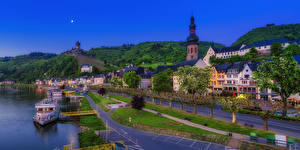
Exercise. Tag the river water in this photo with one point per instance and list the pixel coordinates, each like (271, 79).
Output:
(17, 130)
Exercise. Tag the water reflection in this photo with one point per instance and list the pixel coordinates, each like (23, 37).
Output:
(17, 130)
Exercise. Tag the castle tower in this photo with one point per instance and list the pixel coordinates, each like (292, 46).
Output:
(77, 45)
(192, 42)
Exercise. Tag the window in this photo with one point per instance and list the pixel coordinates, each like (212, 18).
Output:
(247, 70)
(228, 76)
(235, 76)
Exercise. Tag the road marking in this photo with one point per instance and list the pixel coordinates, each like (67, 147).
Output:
(208, 146)
(123, 131)
(134, 147)
(192, 144)
(179, 140)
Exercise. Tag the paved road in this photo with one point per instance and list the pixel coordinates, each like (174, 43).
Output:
(139, 140)
(278, 126)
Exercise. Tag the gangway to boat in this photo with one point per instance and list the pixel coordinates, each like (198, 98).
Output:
(78, 113)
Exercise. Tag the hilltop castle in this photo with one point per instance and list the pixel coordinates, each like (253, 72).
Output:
(75, 51)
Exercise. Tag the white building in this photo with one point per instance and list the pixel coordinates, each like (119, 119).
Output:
(87, 68)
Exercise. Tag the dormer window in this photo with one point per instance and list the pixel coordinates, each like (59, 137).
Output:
(247, 70)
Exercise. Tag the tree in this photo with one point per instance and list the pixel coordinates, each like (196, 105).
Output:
(234, 104)
(95, 70)
(276, 49)
(253, 50)
(102, 91)
(212, 59)
(163, 82)
(280, 75)
(269, 108)
(115, 82)
(251, 55)
(211, 102)
(138, 102)
(292, 49)
(132, 79)
(193, 79)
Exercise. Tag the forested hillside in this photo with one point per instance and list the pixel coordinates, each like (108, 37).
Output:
(269, 32)
(147, 53)
(27, 68)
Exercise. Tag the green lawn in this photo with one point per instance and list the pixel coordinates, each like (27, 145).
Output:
(101, 101)
(198, 119)
(162, 125)
(85, 105)
(89, 138)
(142, 117)
(121, 98)
(92, 122)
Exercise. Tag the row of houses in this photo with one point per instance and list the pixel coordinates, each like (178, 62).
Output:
(8, 82)
(263, 48)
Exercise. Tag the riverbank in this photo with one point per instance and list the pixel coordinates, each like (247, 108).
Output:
(89, 124)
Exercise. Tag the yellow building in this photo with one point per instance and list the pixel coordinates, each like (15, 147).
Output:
(217, 79)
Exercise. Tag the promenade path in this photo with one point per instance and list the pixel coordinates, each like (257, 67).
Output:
(140, 140)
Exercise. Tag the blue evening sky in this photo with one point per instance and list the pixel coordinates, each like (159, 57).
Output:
(45, 25)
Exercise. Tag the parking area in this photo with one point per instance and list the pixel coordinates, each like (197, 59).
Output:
(192, 144)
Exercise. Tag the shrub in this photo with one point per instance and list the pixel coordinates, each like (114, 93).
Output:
(138, 102)
(102, 91)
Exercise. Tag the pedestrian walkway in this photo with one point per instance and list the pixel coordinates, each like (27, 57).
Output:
(234, 135)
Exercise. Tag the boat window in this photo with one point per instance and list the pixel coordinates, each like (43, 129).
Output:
(50, 108)
(40, 109)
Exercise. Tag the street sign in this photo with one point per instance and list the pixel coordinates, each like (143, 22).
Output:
(280, 140)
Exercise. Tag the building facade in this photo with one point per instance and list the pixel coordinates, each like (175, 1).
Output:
(86, 68)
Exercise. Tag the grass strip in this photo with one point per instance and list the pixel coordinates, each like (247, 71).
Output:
(101, 101)
(154, 123)
(90, 124)
(198, 119)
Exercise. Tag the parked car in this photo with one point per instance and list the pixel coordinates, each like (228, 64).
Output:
(292, 114)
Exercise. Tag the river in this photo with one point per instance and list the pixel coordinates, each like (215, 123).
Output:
(17, 130)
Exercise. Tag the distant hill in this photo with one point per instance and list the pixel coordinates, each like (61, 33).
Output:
(27, 68)
(146, 53)
(269, 32)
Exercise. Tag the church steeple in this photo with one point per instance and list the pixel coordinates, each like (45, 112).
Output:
(192, 25)
(192, 42)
